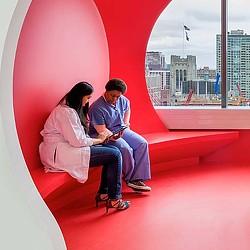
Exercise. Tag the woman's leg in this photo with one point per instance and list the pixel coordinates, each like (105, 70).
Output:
(111, 159)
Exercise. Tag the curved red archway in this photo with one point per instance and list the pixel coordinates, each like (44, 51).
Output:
(128, 25)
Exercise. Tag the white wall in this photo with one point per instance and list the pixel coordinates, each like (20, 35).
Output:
(188, 117)
(25, 221)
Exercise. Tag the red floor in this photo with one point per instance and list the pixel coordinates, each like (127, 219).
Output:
(204, 207)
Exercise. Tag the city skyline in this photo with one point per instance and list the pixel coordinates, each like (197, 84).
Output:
(203, 20)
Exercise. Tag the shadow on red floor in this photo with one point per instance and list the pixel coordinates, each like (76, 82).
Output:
(204, 207)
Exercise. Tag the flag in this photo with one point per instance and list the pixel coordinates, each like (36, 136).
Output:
(216, 86)
(186, 28)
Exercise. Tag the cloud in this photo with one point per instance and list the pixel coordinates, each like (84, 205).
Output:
(204, 21)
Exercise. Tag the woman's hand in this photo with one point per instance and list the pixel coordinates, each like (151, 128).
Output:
(103, 136)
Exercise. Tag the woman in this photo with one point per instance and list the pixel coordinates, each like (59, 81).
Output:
(67, 147)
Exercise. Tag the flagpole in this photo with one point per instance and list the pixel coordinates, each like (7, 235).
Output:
(183, 39)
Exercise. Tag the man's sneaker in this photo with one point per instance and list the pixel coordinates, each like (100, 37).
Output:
(138, 186)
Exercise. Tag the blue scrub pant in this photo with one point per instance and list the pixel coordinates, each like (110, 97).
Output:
(135, 156)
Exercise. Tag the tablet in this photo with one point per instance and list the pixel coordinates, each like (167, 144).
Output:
(118, 131)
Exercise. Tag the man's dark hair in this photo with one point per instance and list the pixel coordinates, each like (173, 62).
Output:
(116, 84)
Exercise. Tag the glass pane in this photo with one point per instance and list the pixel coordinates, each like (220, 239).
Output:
(183, 63)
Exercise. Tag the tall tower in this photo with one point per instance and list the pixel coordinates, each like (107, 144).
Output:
(181, 70)
(238, 61)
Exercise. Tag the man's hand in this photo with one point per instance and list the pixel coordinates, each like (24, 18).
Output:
(116, 136)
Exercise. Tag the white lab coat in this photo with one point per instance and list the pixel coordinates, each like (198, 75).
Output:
(65, 145)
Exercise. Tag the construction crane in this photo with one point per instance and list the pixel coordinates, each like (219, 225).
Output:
(189, 96)
(241, 98)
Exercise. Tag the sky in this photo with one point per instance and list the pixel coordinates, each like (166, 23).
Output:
(203, 18)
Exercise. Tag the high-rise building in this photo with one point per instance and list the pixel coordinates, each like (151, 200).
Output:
(155, 60)
(157, 77)
(238, 61)
(158, 85)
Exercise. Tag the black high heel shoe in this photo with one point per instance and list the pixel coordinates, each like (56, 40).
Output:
(101, 198)
(119, 204)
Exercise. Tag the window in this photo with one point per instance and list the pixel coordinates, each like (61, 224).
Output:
(187, 38)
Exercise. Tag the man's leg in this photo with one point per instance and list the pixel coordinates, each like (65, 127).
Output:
(140, 154)
(141, 161)
(136, 165)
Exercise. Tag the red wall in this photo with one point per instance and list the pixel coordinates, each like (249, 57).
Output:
(61, 42)
(237, 152)
(128, 25)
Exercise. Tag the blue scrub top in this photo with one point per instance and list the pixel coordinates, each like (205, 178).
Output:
(103, 113)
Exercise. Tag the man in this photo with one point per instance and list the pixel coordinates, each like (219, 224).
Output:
(110, 112)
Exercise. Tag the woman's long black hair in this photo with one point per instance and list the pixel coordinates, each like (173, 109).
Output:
(73, 99)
